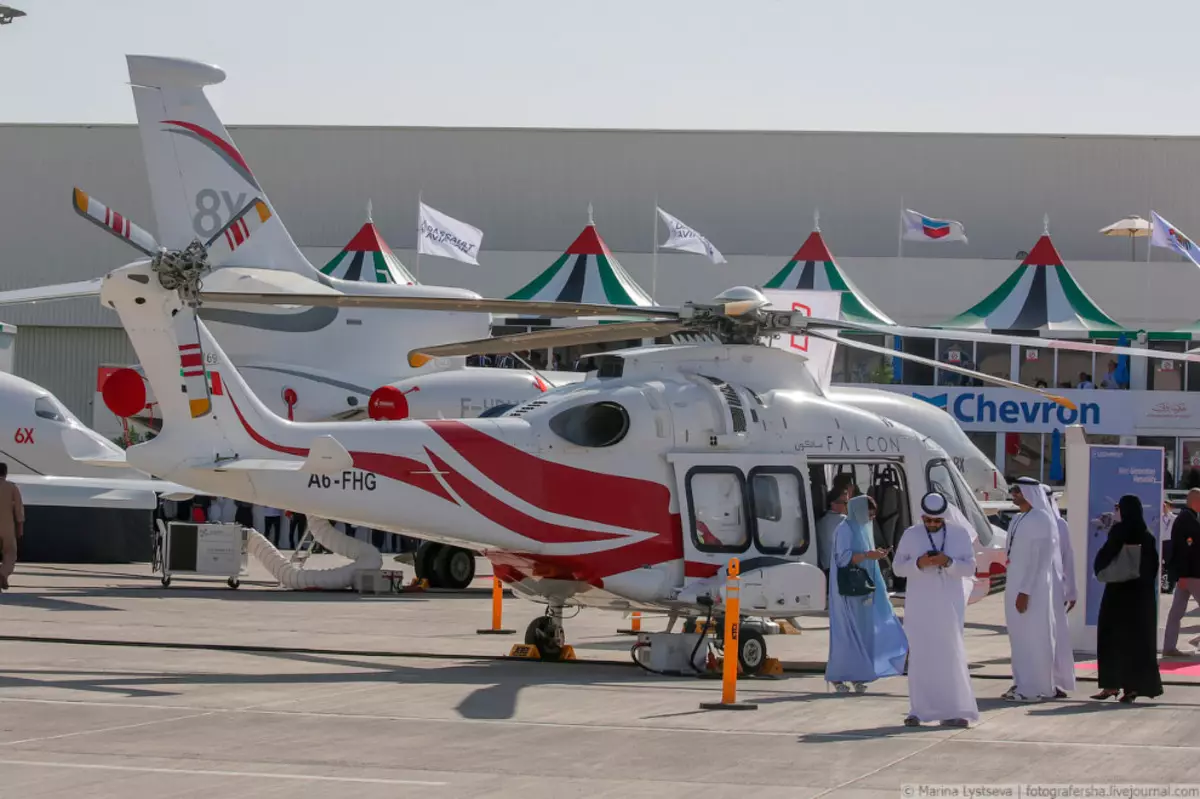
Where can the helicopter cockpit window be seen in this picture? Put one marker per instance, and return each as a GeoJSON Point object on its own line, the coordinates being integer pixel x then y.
{"type": "Point", "coordinates": [717, 500]}
{"type": "Point", "coordinates": [47, 408]}
{"type": "Point", "coordinates": [600, 424]}
{"type": "Point", "coordinates": [946, 480]}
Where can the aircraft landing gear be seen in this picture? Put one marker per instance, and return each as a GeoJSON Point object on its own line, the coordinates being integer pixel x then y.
{"type": "Point", "coordinates": [444, 566]}
{"type": "Point", "coordinates": [546, 633]}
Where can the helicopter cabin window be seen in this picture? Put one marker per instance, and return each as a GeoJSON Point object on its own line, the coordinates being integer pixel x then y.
{"type": "Point", "coordinates": [949, 483]}
{"type": "Point", "coordinates": [46, 408]}
{"type": "Point", "coordinates": [598, 424]}
{"type": "Point", "coordinates": [717, 504]}
{"type": "Point", "coordinates": [882, 481]}
{"type": "Point", "coordinates": [780, 520]}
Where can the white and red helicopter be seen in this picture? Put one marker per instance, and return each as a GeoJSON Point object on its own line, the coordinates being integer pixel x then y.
{"type": "Point", "coordinates": [629, 491]}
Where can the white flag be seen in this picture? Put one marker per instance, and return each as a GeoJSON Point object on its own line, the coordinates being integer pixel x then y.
{"type": "Point", "coordinates": [918, 227]}
{"type": "Point", "coordinates": [686, 239]}
{"type": "Point", "coordinates": [1164, 234]}
{"type": "Point", "coordinates": [438, 234]}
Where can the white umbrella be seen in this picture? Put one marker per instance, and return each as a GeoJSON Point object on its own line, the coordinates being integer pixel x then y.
{"type": "Point", "coordinates": [1131, 226]}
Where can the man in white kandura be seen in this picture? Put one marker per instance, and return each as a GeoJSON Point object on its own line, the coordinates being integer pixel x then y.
{"type": "Point", "coordinates": [1064, 597]}
{"type": "Point", "coordinates": [1028, 594]}
{"type": "Point", "coordinates": [938, 560]}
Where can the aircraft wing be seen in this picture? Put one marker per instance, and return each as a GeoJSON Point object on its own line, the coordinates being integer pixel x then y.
{"type": "Point", "coordinates": [992, 506]}
{"type": "Point", "coordinates": [61, 291]}
{"type": "Point", "coordinates": [96, 492]}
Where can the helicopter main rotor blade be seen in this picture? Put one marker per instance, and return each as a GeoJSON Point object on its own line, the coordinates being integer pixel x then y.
{"type": "Point", "coordinates": [460, 304]}
{"type": "Point", "coordinates": [546, 339]}
{"type": "Point", "coordinates": [113, 223]}
{"type": "Point", "coordinates": [59, 291]}
{"type": "Point", "coordinates": [999, 381]}
{"type": "Point", "coordinates": [1026, 341]}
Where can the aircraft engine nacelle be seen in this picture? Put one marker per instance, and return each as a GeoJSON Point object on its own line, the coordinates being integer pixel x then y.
{"type": "Point", "coordinates": [456, 394]}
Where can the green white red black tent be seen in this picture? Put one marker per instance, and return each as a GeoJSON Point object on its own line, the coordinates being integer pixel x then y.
{"type": "Point", "coordinates": [367, 258]}
{"type": "Point", "coordinates": [1041, 294]}
{"type": "Point", "coordinates": [812, 268]}
{"type": "Point", "coordinates": [586, 272]}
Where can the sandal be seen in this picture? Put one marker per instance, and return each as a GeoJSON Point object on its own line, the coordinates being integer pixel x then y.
{"type": "Point", "coordinates": [1107, 693]}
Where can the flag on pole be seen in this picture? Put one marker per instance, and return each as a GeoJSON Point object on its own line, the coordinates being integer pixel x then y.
{"type": "Point", "coordinates": [687, 239]}
{"type": "Point", "coordinates": [438, 234]}
{"type": "Point", "coordinates": [918, 227]}
{"type": "Point", "coordinates": [1164, 234]}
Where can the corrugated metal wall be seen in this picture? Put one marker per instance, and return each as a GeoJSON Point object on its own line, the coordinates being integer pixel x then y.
{"type": "Point", "coordinates": [64, 360]}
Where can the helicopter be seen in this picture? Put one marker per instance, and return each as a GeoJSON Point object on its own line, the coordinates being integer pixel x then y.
{"type": "Point", "coordinates": [630, 490]}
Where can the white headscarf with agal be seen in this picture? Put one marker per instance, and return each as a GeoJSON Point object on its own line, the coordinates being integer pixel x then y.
{"type": "Point", "coordinates": [1064, 656]}
{"type": "Point", "coordinates": [1032, 554]}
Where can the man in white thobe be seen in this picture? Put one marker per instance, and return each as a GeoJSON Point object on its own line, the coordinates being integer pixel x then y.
{"type": "Point", "coordinates": [1064, 598]}
{"type": "Point", "coordinates": [1028, 594]}
{"type": "Point", "coordinates": [938, 560]}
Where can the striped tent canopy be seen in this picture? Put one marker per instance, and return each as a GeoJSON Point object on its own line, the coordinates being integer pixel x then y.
{"type": "Point", "coordinates": [586, 272]}
{"type": "Point", "coordinates": [1041, 294]}
{"type": "Point", "coordinates": [812, 268]}
{"type": "Point", "coordinates": [368, 259]}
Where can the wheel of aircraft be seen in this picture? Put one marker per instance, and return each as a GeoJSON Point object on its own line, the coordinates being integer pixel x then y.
{"type": "Point", "coordinates": [454, 567]}
{"type": "Point", "coordinates": [546, 633]}
{"type": "Point", "coordinates": [739, 317]}
{"type": "Point", "coordinates": [423, 562]}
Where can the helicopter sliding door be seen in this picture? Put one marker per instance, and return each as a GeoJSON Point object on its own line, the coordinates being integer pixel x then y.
{"type": "Point", "coordinates": [752, 507]}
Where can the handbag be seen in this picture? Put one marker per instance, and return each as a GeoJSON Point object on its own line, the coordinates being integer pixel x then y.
{"type": "Point", "coordinates": [854, 581]}
{"type": "Point", "coordinates": [1125, 566]}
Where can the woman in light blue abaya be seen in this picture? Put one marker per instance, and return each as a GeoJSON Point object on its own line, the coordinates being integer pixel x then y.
{"type": "Point", "coordinates": [866, 641]}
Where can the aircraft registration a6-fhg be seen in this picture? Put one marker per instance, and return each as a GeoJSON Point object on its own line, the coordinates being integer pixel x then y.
{"type": "Point", "coordinates": [631, 490]}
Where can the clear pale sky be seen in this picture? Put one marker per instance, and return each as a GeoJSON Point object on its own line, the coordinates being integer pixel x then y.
{"type": "Point", "coordinates": [1044, 66]}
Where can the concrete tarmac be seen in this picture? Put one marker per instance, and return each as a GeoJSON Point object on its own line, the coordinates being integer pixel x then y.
{"type": "Point", "coordinates": [112, 686]}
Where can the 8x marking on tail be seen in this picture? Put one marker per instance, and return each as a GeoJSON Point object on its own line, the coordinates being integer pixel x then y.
{"type": "Point", "coordinates": [350, 480]}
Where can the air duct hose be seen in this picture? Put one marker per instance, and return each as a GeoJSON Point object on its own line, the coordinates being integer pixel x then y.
{"type": "Point", "coordinates": [297, 578]}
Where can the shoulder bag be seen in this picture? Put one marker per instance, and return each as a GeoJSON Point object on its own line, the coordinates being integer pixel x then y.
{"type": "Point", "coordinates": [854, 580]}
{"type": "Point", "coordinates": [1126, 566]}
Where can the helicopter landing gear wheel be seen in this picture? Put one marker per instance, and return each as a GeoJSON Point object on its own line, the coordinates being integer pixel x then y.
{"type": "Point", "coordinates": [166, 581]}
{"type": "Point", "coordinates": [423, 562]}
{"type": "Point", "coordinates": [546, 633]}
{"type": "Point", "coordinates": [752, 651]}
{"type": "Point", "coordinates": [233, 582]}
{"type": "Point", "coordinates": [454, 567]}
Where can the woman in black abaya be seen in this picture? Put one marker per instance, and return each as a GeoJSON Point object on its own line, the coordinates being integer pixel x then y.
{"type": "Point", "coordinates": [1126, 645]}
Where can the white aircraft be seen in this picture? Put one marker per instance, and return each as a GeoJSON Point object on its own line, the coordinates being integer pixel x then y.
{"type": "Point", "coordinates": [59, 461]}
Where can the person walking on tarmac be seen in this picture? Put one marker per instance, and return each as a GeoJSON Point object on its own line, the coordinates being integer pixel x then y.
{"type": "Point", "coordinates": [12, 525]}
{"type": "Point", "coordinates": [1183, 568]}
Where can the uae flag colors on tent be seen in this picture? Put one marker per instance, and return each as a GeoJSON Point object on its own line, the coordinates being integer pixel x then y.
{"type": "Point", "coordinates": [368, 259]}
{"type": "Point", "coordinates": [812, 268]}
{"type": "Point", "coordinates": [586, 272]}
{"type": "Point", "coordinates": [1041, 294]}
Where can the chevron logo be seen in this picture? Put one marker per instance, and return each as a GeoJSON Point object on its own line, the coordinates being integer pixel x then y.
{"type": "Point", "coordinates": [938, 402]}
